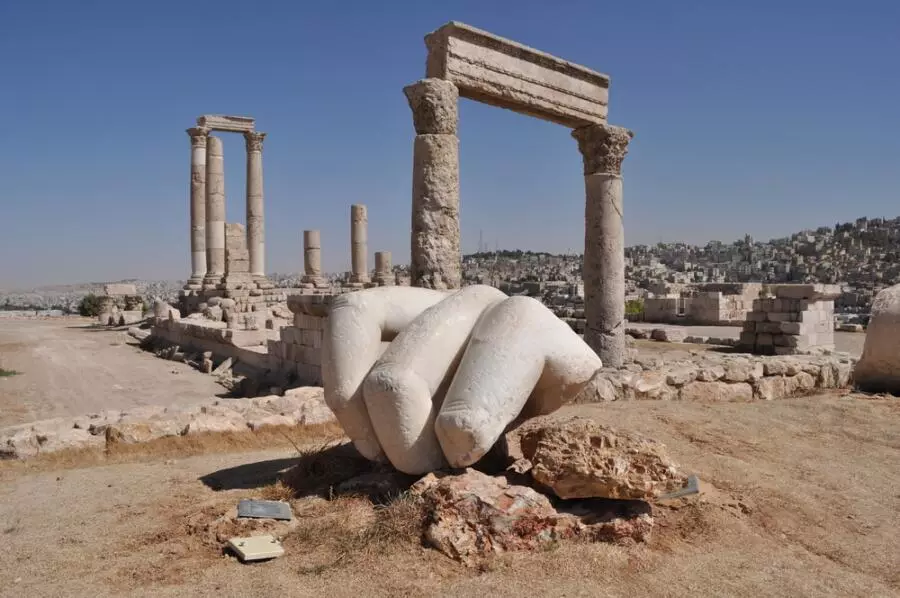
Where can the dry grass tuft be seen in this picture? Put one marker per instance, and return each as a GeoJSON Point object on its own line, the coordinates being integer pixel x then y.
{"type": "Point", "coordinates": [277, 491]}
{"type": "Point", "coordinates": [351, 531]}
{"type": "Point", "coordinates": [322, 466]}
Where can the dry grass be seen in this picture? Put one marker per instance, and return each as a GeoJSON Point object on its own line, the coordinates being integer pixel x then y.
{"type": "Point", "coordinates": [323, 465]}
{"type": "Point", "coordinates": [179, 447]}
{"type": "Point", "coordinates": [351, 531]}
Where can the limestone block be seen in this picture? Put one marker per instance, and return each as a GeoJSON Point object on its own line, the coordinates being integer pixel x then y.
{"type": "Point", "coordinates": [221, 122]}
{"type": "Point", "coordinates": [716, 391]}
{"type": "Point", "coordinates": [504, 73]}
{"type": "Point", "coordinates": [311, 338]}
{"type": "Point", "coordinates": [579, 458]}
{"type": "Point", "coordinates": [814, 292]}
{"type": "Point", "coordinates": [771, 387]}
{"type": "Point", "coordinates": [434, 104]}
{"type": "Point", "coordinates": [801, 383]}
{"type": "Point", "coordinates": [878, 369]}
{"type": "Point", "coordinates": [743, 370]}
{"type": "Point", "coordinates": [119, 289]}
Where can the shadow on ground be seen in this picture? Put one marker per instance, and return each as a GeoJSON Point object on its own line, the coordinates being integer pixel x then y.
{"type": "Point", "coordinates": [249, 475]}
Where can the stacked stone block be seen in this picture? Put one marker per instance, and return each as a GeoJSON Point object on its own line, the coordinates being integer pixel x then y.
{"type": "Point", "coordinates": [797, 319]}
{"type": "Point", "coordinates": [300, 348]}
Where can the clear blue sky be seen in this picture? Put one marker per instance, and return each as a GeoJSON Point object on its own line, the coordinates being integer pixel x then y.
{"type": "Point", "coordinates": [762, 118]}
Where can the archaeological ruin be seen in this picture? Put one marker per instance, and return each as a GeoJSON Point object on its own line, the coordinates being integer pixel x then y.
{"type": "Point", "coordinates": [467, 62]}
{"type": "Point", "coordinates": [226, 261]}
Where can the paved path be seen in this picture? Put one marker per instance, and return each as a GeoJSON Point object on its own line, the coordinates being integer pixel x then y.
{"type": "Point", "coordinates": [68, 369]}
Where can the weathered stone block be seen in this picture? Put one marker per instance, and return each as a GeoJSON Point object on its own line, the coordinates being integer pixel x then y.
{"type": "Point", "coordinates": [504, 73]}
{"type": "Point", "coordinates": [716, 391]}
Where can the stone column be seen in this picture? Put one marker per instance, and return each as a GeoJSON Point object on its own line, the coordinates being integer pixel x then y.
{"type": "Point", "coordinates": [215, 213]}
{"type": "Point", "coordinates": [603, 147]}
{"type": "Point", "coordinates": [198, 206]}
{"type": "Point", "coordinates": [359, 242]}
{"type": "Point", "coordinates": [384, 275]}
{"type": "Point", "coordinates": [256, 230]}
{"type": "Point", "coordinates": [435, 254]}
{"type": "Point", "coordinates": [312, 258]}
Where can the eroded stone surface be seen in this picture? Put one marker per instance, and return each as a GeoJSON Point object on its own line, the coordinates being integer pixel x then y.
{"type": "Point", "coordinates": [579, 458]}
{"type": "Point", "coordinates": [473, 515]}
{"type": "Point", "coordinates": [879, 367]}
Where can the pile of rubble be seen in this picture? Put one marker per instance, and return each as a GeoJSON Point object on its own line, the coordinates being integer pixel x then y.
{"type": "Point", "coordinates": [560, 489]}
{"type": "Point", "coordinates": [678, 335]}
{"type": "Point", "coordinates": [720, 377]}
{"type": "Point", "coordinates": [298, 406]}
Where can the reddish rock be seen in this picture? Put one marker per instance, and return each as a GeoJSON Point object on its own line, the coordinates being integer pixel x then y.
{"type": "Point", "coordinates": [473, 515]}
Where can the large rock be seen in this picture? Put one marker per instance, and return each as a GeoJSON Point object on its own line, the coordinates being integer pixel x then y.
{"type": "Point", "coordinates": [716, 391]}
{"type": "Point", "coordinates": [878, 369]}
{"type": "Point", "coordinates": [579, 458]}
{"type": "Point", "coordinates": [132, 432]}
{"type": "Point", "coordinates": [668, 335]}
{"type": "Point", "coordinates": [474, 515]}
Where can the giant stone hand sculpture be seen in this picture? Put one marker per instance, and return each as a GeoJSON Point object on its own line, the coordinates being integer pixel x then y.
{"type": "Point", "coordinates": [429, 378]}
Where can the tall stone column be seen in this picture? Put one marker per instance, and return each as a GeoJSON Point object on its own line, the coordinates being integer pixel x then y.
{"type": "Point", "coordinates": [256, 230]}
{"type": "Point", "coordinates": [359, 244]}
{"type": "Point", "coordinates": [215, 212]}
{"type": "Point", "coordinates": [312, 258]}
{"type": "Point", "coordinates": [435, 255]}
{"type": "Point", "coordinates": [384, 275]}
{"type": "Point", "coordinates": [198, 206]}
{"type": "Point", "coordinates": [603, 147]}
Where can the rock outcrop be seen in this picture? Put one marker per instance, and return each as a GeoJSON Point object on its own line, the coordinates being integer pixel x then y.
{"type": "Point", "coordinates": [474, 515]}
{"type": "Point", "coordinates": [878, 369]}
{"type": "Point", "coordinates": [579, 458]}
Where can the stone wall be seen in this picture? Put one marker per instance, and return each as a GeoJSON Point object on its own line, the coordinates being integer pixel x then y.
{"type": "Point", "coordinates": [720, 377]}
{"type": "Point", "coordinates": [798, 319]}
{"type": "Point", "coordinates": [299, 348]}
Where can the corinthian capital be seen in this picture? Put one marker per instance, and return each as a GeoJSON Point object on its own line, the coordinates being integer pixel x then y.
{"type": "Point", "coordinates": [254, 140]}
{"type": "Point", "coordinates": [603, 147]}
{"type": "Point", "coordinates": [198, 136]}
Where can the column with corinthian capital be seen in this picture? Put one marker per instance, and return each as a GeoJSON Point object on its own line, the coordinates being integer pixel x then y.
{"type": "Point", "coordinates": [198, 207]}
{"type": "Point", "coordinates": [603, 148]}
{"type": "Point", "coordinates": [256, 228]}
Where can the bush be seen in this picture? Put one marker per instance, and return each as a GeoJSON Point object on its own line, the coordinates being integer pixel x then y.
{"type": "Point", "coordinates": [635, 307]}
{"type": "Point", "coordinates": [90, 305]}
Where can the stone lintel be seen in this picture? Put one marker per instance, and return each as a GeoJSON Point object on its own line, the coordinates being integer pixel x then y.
{"type": "Point", "coordinates": [504, 73]}
{"type": "Point", "coordinates": [119, 289]}
{"type": "Point", "coordinates": [812, 292]}
{"type": "Point", "coordinates": [222, 122]}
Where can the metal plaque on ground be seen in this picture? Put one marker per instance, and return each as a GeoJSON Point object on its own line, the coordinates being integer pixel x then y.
{"type": "Point", "coordinates": [264, 509]}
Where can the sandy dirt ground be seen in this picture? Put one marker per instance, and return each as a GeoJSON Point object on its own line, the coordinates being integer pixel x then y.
{"type": "Point", "coordinates": [68, 369]}
{"type": "Point", "coordinates": [801, 497]}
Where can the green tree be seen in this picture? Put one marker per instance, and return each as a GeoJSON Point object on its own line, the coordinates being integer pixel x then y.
{"type": "Point", "coordinates": [90, 305]}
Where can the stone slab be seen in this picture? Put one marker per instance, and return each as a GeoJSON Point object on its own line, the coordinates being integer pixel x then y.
{"type": "Point", "coordinates": [223, 122]}
{"type": "Point", "coordinates": [504, 73]}
{"type": "Point", "coordinates": [117, 289]}
{"type": "Point", "coordinates": [256, 548]}
{"type": "Point", "coordinates": [814, 292]}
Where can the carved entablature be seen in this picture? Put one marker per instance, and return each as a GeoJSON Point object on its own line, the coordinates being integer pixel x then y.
{"type": "Point", "coordinates": [603, 148]}
{"type": "Point", "coordinates": [498, 71]}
